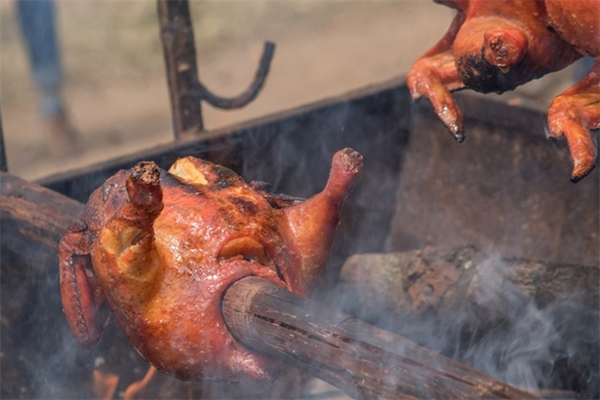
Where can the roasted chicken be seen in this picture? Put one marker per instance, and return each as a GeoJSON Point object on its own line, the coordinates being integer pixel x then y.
{"type": "Point", "coordinates": [158, 249]}
{"type": "Point", "coordinates": [497, 45]}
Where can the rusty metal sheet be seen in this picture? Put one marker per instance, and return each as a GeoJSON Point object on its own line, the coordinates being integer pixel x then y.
{"type": "Point", "coordinates": [504, 189]}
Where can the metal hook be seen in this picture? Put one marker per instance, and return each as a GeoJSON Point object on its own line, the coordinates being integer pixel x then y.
{"type": "Point", "coordinates": [245, 97]}
{"type": "Point", "coordinates": [185, 89]}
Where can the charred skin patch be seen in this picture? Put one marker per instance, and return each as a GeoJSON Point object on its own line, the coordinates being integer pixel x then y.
{"type": "Point", "coordinates": [480, 75]}
{"type": "Point", "coordinates": [144, 189]}
{"type": "Point", "coordinates": [225, 177]}
{"type": "Point", "coordinates": [245, 206]}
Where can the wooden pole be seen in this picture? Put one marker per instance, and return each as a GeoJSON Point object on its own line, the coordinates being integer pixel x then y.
{"type": "Point", "coordinates": [362, 360]}
{"type": "Point", "coordinates": [32, 222]}
{"type": "Point", "coordinates": [33, 219]}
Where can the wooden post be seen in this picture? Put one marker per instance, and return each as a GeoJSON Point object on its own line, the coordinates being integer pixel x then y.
{"type": "Point", "coordinates": [362, 360]}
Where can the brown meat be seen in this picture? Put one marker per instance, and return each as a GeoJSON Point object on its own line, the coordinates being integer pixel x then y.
{"type": "Point", "coordinates": [497, 45]}
{"type": "Point", "coordinates": [160, 248]}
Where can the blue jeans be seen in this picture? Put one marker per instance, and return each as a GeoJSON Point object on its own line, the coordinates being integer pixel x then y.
{"type": "Point", "coordinates": [37, 21]}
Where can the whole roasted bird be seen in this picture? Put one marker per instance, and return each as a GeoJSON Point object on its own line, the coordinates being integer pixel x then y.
{"type": "Point", "coordinates": [497, 45]}
{"type": "Point", "coordinates": [160, 248]}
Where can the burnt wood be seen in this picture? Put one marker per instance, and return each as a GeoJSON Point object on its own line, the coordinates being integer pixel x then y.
{"type": "Point", "coordinates": [39, 354]}
{"type": "Point", "coordinates": [34, 219]}
{"type": "Point", "coordinates": [465, 302]}
{"type": "Point", "coordinates": [443, 278]}
{"type": "Point", "coordinates": [364, 361]}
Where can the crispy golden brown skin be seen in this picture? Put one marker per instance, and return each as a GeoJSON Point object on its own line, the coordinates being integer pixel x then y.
{"type": "Point", "coordinates": [497, 45]}
{"type": "Point", "coordinates": [160, 248]}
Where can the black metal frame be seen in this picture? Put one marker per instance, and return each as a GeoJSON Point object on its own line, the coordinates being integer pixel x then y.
{"type": "Point", "coordinates": [3, 160]}
{"type": "Point", "coordinates": [185, 89]}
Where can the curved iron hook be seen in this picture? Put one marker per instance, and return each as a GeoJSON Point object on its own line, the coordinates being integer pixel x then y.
{"type": "Point", "coordinates": [200, 91]}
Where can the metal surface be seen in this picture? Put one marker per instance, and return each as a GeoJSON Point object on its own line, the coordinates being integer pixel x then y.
{"type": "Point", "coordinates": [3, 161]}
{"type": "Point", "coordinates": [506, 188]}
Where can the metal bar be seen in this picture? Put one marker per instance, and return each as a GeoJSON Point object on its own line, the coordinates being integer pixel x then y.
{"type": "Point", "coordinates": [3, 161]}
{"type": "Point", "coordinates": [185, 89]}
{"type": "Point", "coordinates": [179, 50]}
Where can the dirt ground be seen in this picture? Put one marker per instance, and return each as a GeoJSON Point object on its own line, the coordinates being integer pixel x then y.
{"type": "Point", "coordinates": [116, 87]}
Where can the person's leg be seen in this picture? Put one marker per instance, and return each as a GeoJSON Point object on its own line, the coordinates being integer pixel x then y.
{"type": "Point", "coordinates": [38, 26]}
{"type": "Point", "coordinates": [37, 20]}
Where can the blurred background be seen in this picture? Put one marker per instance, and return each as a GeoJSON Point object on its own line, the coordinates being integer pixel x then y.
{"type": "Point", "coordinates": [115, 86]}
